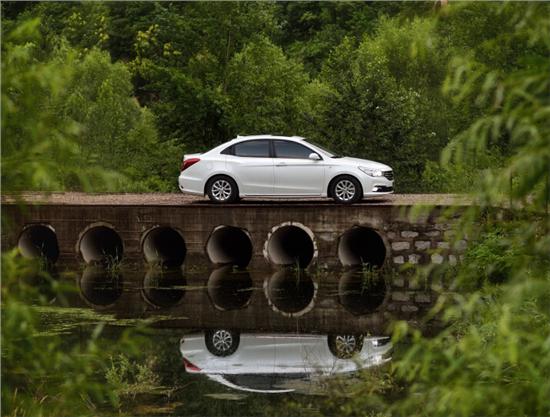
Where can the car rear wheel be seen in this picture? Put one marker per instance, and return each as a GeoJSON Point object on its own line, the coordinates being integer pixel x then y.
{"type": "Point", "coordinates": [346, 189]}
{"type": "Point", "coordinates": [222, 189]}
{"type": "Point", "coordinates": [344, 346]}
{"type": "Point", "coordinates": [221, 342]}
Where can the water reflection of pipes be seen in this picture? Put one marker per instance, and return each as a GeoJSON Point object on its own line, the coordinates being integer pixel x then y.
{"type": "Point", "coordinates": [229, 289]}
{"type": "Point", "coordinates": [100, 286]}
{"type": "Point", "coordinates": [361, 292]}
{"type": "Point", "coordinates": [291, 292]}
{"type": "Point", "coordinates": [164, 287]}
{"type": "Point", "coordinates": [39, 241]}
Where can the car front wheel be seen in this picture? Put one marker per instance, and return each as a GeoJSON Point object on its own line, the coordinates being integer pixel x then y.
{"type": "Point", "coordinates": [222, 189]}
{"type": "Point", "coordinates": [346, 190]}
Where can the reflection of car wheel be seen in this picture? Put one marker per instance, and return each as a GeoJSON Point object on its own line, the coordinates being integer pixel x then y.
{"type": "Point", "coordinates": [221, 342]}
{"type": "Point", "coordinates": [343, 346]}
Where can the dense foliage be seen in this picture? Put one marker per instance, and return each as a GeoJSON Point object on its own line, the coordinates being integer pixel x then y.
{"type": "Point", "coordinates": [107, 96]}
{"type": "Point", "coordinates": [492, 357]}
{"type": "Point", "coordinates": [145, 82]}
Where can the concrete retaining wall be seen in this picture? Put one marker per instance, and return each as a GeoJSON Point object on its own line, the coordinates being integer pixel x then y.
{"type": "Point", "coordinates": [419, 241]}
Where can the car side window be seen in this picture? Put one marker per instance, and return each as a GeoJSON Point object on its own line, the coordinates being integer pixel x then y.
{"type": "Point", "coordinates": [252, 149]}
{"type": "Point", "coordinates": [227, 151]}
{"type": "Point", "coordinates": [287, 149]}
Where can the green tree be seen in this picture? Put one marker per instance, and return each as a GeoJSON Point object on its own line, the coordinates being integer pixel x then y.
{"type": "Point", "coordinates": [263, 91]}
{"type": "Point", "coordinates": [116, 132]}
{"type": "Point", "coordinates": [39, 148]}
{"type": "Point", "coordinates": [182, 61]}
{"type": "Point", "coordinates": [492, 356]}
{"type": "Point", "coordinates": [367, 103]}
{"type": "Point", "coordinates": [41, 373]}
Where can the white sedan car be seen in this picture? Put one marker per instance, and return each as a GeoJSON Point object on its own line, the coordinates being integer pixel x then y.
{"type": "Point", "coordinates": [281, 166]}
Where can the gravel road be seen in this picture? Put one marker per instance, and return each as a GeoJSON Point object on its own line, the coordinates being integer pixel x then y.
{"type": "Point", "coordinates": [176, 199]}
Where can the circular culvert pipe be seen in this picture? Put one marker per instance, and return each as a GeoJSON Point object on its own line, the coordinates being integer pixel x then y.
{"type": "Point", "coordinates": [39, 241]}
{"type": "Point", "coordinates": [229, 289]}
{"type": "Point", "coordinates": [361, 292]}
{"type": "Point", "coordinates": [228, 245]}
{"type": "Point", "coordinates": [101, 245]}
{"type": "Point", "coordinates": [290, 244]}
{"type": "Point", "coordinates": [361, 246]}
{"type": "Point", "coordinates": [291, 292]}
{"type": "Point", "coordinates": [164, 287]}
{"type": "Point", "coordinates": [100, 286]}
{"type": "Point", "coordinates": [164, 246]}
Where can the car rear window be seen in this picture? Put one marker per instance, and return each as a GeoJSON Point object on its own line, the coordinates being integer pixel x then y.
{"type": "Point", "coordinates": [252, 148]}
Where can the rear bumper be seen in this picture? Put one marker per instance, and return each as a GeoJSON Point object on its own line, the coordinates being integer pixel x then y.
{"type": "Point", "coordinates": [190, 185]}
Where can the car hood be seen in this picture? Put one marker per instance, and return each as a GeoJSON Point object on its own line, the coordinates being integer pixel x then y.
{"type": "Point", "coordinates": [346, 160]}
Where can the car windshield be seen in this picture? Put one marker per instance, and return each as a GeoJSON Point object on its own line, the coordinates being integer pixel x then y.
{"type": "Point", "coordinates": [325, 151]}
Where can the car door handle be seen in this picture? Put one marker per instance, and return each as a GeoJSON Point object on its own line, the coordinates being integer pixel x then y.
{"type": "Point", "coordinates": [281, 164]}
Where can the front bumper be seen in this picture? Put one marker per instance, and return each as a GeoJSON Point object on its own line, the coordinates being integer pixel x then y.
{"type": "Point", "coordinates": [376, 185]}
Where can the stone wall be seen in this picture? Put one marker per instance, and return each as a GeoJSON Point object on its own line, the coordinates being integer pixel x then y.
{"type": "Point", "coordinates": [405, 240]}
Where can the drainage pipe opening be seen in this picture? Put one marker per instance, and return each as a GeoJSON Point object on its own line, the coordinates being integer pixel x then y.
{"type": "Point", "coordinates": [361, 246]}
{"type": "Point", "coordinates": [101, 245]}
{"type": "Point", "coordinates": [291, 292]}
{"type": "Point", "coordinates": [229, 245]}
{"type": "Point", "coordinates": [290, 245]}
{"type": "Point", "coordinates": [164, 246]}
{"type": "Point", "coordinates": [39, 241]}
{"type": "Point", "coordinates": [228, 289]}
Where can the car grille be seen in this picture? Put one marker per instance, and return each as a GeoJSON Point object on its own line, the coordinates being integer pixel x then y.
{"type": "Point", "coordinates": [388, 175]}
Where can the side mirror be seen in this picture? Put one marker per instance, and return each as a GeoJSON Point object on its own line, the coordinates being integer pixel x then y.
{"type": "Point", "coordinates": [314, 156]}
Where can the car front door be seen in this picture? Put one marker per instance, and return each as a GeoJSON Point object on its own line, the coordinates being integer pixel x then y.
{"type": "Point", "coordinates": [295, 173]}
{"type": "Point", "coordinates": [251, 163]}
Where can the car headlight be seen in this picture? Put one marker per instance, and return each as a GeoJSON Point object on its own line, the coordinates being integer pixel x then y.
{"type": "Point", "coordinates": [371, 172]}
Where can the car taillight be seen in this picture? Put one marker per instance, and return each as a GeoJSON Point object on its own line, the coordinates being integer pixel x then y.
{"type": "Point", "coordinates": [190, 367]}
{"type": "Point", "coordinates": [188, 162]}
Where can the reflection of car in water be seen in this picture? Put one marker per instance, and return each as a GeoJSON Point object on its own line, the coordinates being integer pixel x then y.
{"type": "Point", "coordinates": [266, 362]}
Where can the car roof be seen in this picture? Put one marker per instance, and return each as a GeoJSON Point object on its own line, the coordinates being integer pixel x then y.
{"type": "Point", "coordinates": [249, 137]}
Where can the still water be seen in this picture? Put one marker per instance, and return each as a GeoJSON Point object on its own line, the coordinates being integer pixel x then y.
{"type": "Point", "coordinates": [227, 341]}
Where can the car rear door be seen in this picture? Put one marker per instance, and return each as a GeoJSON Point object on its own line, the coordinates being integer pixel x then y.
{"type": "Point", "coordinates": [252, 165]}
{"type": "Point", "coordinates": [295, 173]}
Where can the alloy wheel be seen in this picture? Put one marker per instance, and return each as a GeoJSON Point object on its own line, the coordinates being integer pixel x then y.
{"type": "Point", "coordinates": [345, 190]}
{"type": "Point", "coordinates": [221, 189]}
{"type": "Point", "coordinates": [222, 340]}
{"type": "Point", "coordinates": [346, 344]}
